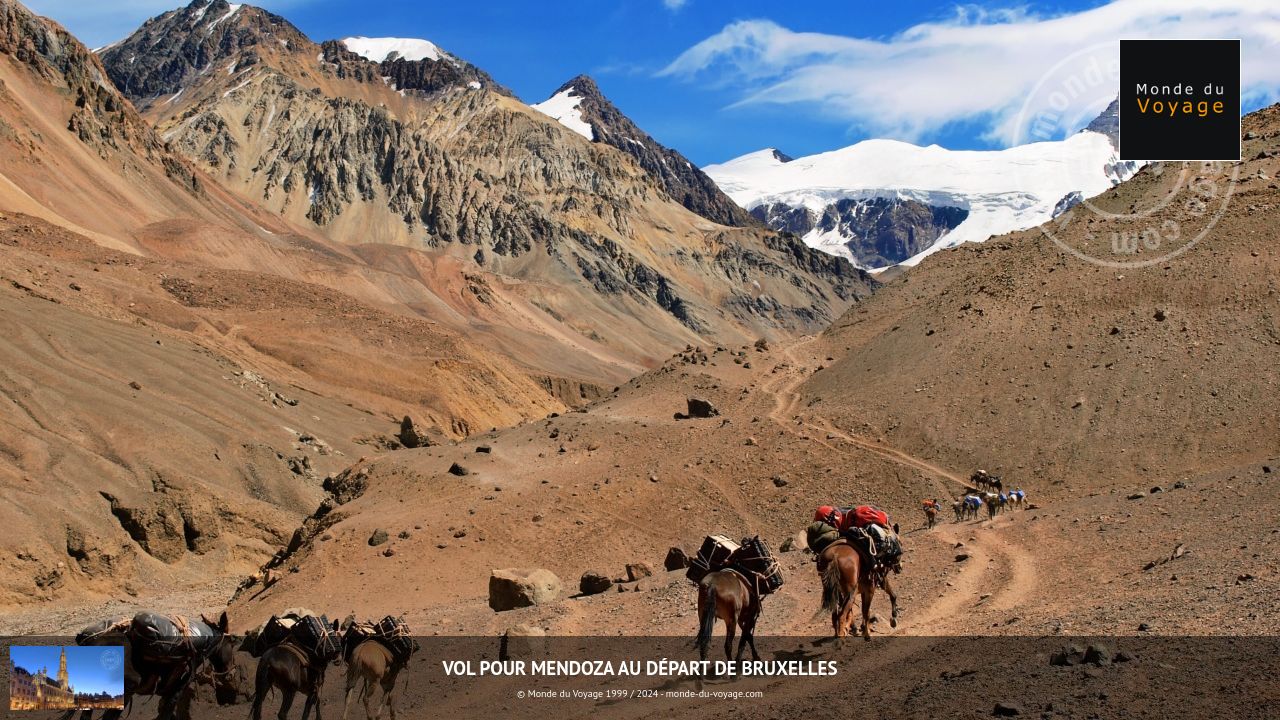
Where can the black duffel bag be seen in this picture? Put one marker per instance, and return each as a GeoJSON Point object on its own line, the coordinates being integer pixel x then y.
{"type": "Point", "coordinates": [163, 639]}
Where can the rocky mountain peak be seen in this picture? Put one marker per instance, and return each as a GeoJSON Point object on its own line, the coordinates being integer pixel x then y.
{"type": "Point", "coordinates": [100, 117]}
{"type": "Point", "coordinates": [170, 50]}
{"type": "Point", "coordinates": [580, 105]}
{"type": "Point", "coordinates": [1108, 123]}
{"type": "Point", "coordinates": [405, 64]}
{"type": "Point", "coordinates": [582, 86]}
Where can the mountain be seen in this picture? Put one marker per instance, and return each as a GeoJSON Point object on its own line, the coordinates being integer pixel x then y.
{"type": "Point", "coordinates": [580, 106]}
{"type": "Point", "coordinates": [180, 366]}
{"type": "Point", "coordinates": [883, 202]}
{"type": "Point", "coordinates": [570, 249]}
{"type": "Point", "coordinates": [1013, 355]}
{"type": "Point", "coordinates": [1115, 398]}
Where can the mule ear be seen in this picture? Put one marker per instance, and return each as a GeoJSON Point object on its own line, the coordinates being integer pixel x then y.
{"type": "Point", "coordinates": [895, 528]}
{"type": "Point", "coordinates": [224, 624]}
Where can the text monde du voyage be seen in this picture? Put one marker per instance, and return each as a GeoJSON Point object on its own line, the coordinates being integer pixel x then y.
{"type": "Point", "coordinates": [637, 668]}
{"type": "Point", "coordinates": [1181, 99]}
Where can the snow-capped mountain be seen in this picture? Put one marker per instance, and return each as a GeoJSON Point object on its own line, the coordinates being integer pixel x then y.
{"type": "Point", "coordinates": [580, 106]}
{"type": "Point", "coordinates": [883, 202]}
{"type": "Point", "coordinates": [389, 48]}
{"type": "Point", "coordinates": [564, 107]}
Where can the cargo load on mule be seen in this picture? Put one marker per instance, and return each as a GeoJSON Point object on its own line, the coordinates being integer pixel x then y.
{"type": "Point", "coordinates": [865, 515]}
{"type": "Point", "coordinates": [394, 633]}
{"type": "Point", "coordinates": [712, 556]}
{"type": "Point", "coordinates": [819, 535]}
{"type": "Point", "coordinates": [751, 559]}
{"type": "Point", "coordinates": [391, 632]}
{"type": "Point", "coordinates": [168, 639]}
{"type": "Point", "coordinates": [274, 631]}
{"type": "Point", "coordinates": [865, 527]}
{"type": "Point", "coordinates": [755, 562]}
{"type": "Point", "coordinates": [870, 532]}
{"type": "Point", "coordinates": [316, 636]}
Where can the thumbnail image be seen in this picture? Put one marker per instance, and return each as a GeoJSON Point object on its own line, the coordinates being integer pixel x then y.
{"type": "Point", "coordinates": [86, 677]}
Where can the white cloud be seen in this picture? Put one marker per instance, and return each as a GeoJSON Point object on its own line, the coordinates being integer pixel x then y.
{"type": "Point", "coordinates": [674, 5]}
{"type": "Point", "coordinates": [980, 66]}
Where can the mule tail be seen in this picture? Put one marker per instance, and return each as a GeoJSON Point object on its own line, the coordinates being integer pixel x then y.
{"type": "Point", "coordinates": [833, 595]}
{"type": "Point", "coordinates": [707, 624]}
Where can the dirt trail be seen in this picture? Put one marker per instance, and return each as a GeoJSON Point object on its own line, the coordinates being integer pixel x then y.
{"type": "Point", "coordinates": [997, 566]}
{"type": "Point", "coordinates": [787, 401]}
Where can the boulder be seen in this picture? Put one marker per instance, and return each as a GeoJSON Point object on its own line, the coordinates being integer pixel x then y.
{"type": "Point", "coordinates": [635, 571]}
{"type": "Point", "coordinates": [1098, 654]}
{"type": "Point", "coordinates": [1069, 655]}
{"type": "Point", "coordinates": [677, 559]}
{"type": "Point", "coordinates": [701, 409]}
{"type": "Point", "coordinates": [512, 588]}
{"type": "Point", "coordinates": [594, 583]}
{"type": "Point", "coordinates": [378, 537]}
{"type": "Point", "coordinates": [523, 641]}
{"type": "Point", "coordinates": [456, 469]}
{"type": "Point", "coordinates": [409, 435]}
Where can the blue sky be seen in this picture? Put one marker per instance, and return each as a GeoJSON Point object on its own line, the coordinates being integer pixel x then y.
{"type": "Point", "coordinates": [90, 669]}
{"type": "Point", "coordinates": [717, 79]}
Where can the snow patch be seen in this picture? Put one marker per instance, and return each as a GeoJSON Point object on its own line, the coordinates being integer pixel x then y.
{"type": "Point", "coordinates": [246, 82]}
{"type": "Point", "coordinates": [474, 85]}
{"type": "Point", "coordinates": [1003, 190]}
{"type": "Point", "coordinates": [380, 49]}
{"type": "Point", "coordinates": [563, 106]}
{"type": "Point", "coordinates": [235, 8]}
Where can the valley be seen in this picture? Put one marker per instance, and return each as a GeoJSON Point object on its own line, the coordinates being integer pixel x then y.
{"type": "Point", "coordinates": [345, 325]}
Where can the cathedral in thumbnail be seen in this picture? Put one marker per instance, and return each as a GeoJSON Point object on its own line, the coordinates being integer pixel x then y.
{"type": "Point", "coordinates": [38, 691]}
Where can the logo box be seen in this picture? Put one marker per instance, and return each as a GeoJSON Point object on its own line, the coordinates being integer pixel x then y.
{"type": "Point", "coordinates": [1180, 100]}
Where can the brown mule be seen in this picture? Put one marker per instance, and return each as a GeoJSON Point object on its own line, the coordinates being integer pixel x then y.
{"type": "Point", "coordinates": [846, 572]}
{"type": "Point", "coordinates": [291, 669]}
{"type": "Point", "coordinates": [725, 595]}
{"type": "Point", "coordinates": [930, 516]}
{"type": "Point", "coordinates": [372, 663]}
